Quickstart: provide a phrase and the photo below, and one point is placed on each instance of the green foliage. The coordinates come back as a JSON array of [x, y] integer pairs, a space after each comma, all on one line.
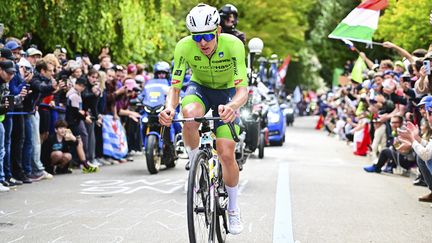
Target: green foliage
[[146, 30], [406, 24], [136, 30], [331, 53]]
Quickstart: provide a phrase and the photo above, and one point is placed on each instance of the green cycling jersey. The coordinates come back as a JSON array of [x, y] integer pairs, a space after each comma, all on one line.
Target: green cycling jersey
[[225, 69]]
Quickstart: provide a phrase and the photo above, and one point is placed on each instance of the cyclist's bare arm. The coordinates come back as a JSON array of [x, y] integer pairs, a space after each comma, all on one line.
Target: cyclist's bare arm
[[239, 99], [172, 100]]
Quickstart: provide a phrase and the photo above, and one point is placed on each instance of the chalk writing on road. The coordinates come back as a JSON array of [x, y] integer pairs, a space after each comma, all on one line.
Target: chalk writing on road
[[99, 187]]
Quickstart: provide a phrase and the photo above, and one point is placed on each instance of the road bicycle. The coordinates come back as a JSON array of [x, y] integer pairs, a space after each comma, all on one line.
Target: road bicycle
[[207, 199]]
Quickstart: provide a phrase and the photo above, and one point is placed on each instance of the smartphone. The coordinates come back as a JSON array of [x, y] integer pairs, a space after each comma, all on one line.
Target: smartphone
[[10, 99], [426, 64]]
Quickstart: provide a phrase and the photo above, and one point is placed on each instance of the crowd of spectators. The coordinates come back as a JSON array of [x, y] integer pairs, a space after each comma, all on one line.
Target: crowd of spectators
[[387, 116], [51, 110]]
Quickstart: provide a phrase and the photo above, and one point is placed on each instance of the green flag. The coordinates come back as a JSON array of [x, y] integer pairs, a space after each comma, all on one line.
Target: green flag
[[337, 72], [357, 72]]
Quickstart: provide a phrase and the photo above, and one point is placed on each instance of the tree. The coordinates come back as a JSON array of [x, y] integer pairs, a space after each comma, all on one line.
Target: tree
[[406, 24]]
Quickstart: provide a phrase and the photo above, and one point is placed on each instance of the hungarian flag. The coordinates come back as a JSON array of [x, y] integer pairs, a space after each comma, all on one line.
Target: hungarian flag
[[361, 23], [283, 70]]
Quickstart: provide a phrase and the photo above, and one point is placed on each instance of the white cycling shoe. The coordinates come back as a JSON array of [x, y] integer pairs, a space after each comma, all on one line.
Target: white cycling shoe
[[235, 226]]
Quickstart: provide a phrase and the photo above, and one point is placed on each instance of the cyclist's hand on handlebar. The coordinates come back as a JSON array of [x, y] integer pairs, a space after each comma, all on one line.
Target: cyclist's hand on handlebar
[[166, 116], [226, 113]]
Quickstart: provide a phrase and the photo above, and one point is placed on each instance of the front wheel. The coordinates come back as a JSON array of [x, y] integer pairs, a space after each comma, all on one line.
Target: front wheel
[[153, 157], [201, 207], [222, 211], [261, 146]]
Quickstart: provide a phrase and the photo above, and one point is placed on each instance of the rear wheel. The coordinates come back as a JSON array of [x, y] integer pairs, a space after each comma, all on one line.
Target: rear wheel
[[201, 215], [261, 146], [153, 157]]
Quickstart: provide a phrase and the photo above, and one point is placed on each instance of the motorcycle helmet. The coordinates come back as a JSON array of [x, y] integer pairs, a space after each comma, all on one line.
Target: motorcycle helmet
[[202, 18], [162, 68], [225, 12]]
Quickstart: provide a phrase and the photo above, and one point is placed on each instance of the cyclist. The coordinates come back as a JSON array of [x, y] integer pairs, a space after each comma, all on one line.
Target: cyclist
[[229, 20], [218, 82]]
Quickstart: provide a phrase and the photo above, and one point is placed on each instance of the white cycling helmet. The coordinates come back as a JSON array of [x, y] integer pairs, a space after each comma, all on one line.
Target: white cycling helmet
[[202, 18]]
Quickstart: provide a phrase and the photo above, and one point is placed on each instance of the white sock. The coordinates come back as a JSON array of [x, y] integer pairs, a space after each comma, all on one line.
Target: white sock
[[192, 153], [232, 198]]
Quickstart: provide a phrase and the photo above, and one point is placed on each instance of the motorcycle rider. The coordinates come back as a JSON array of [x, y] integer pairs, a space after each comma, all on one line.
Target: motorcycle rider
[[162, 70], [229, 20]]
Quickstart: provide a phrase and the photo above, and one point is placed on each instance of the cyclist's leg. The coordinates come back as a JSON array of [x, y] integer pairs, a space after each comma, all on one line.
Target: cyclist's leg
[[230, 171], [226, 146], [193, 105]]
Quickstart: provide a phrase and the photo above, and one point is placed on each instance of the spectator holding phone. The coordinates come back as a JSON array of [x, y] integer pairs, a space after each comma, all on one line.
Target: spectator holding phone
[[7, 71], [423, 85], [91, 96]]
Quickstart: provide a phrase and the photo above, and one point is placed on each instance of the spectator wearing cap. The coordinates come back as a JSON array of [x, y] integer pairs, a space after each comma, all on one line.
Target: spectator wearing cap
[[7, 71], [33, 55], [6, 54], [15, 47], [60, 53], [399, 68], [41, 85], [131, 71], [75, 117], [14, 146], [130, 118]]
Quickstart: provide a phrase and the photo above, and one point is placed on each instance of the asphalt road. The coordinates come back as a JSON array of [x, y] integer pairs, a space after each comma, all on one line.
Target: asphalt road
[[310, 190]]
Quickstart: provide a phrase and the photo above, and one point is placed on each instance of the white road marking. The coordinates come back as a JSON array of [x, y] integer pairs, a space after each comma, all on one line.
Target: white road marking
[[61, 225], [150, 213], [26, 225], [22, 237], [282, 231], [61, 237], [96, 227], [242, 186], [115, 212]]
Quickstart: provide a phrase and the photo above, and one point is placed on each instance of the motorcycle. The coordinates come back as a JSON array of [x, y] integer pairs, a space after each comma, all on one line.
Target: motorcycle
[[158, 150], [288, 112]]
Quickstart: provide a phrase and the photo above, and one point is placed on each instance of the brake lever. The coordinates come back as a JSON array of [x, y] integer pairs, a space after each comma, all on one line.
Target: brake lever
[[233, 132]]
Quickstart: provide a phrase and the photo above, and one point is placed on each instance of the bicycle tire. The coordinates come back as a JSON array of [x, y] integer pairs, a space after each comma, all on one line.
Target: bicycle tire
[[201, 220], [222, 212]]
